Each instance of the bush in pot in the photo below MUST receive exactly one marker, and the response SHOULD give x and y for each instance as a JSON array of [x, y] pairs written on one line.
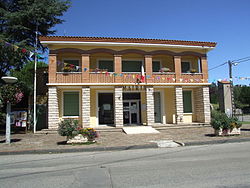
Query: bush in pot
[[68, 128], [224, 125]]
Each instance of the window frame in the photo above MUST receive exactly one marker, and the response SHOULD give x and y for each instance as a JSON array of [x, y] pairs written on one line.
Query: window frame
[[160, 65], [192, 101], [106, 59], [62, 111], [190, 67], [142, 64], [68, 58]]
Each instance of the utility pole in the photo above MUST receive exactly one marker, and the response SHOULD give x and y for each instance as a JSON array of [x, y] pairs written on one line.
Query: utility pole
[[34, 115], [230, 63]]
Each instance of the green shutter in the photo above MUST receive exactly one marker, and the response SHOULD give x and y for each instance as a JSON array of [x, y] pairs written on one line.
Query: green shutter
[[106, 64], [71, 104], [156, 66], [187, 101], [131, 66]]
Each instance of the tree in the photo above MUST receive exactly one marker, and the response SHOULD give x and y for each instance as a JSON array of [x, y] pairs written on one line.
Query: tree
[[213, 91], [26, 75], [19, 20], [245, 95]]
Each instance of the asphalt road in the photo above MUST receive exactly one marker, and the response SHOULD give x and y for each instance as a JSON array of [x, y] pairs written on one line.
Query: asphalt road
[[224, 165]]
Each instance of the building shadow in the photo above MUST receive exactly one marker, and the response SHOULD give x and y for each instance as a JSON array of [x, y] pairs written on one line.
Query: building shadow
[[12, 140], [210, 135]]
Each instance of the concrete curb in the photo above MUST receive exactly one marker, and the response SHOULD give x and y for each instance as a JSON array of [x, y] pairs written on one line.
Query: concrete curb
[[197, 143], [71, 150], [119, 148]]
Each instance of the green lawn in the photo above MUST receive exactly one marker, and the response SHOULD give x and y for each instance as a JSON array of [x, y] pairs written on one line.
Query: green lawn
[[244, 122]]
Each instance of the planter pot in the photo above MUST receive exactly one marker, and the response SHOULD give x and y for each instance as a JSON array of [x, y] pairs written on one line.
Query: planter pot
[[227, 132], [78, 139]]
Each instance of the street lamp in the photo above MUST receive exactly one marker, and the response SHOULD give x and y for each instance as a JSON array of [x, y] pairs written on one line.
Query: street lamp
[[8, 80]]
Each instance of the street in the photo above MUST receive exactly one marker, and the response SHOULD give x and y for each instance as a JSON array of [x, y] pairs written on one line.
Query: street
[[224, 165]]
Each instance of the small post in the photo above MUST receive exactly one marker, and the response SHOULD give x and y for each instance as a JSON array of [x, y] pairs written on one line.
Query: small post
[[230, 63], [8, 126], [34, 115]]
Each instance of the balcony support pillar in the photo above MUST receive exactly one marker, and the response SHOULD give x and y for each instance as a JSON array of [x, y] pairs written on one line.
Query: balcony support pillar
[[177, 65], [149, 68], [52, 68], [85, 68], [204, 69], [118, 67]]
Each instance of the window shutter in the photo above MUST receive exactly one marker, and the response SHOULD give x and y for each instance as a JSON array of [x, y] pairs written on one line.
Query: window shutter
[[187, 101], [71, 104]]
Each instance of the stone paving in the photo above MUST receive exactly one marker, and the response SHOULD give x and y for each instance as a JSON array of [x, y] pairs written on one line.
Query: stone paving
[[30, 141]]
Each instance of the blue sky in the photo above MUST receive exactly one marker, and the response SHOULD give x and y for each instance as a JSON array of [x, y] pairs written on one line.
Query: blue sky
[[226, 22]]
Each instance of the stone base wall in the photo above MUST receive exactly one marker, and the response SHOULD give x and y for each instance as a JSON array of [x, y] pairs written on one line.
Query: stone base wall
[[118, 107], [150, 106], [53, 111], [202, 104], [178, 105], [85, 106]]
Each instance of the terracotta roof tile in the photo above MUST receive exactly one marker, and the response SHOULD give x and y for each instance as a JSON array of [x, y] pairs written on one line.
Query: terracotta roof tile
[[127, 40]]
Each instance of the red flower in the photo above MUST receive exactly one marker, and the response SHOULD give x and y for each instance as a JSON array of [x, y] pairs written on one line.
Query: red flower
[[24, 50]]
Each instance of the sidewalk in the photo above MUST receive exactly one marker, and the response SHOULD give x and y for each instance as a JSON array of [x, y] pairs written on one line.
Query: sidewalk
[[116, 140]]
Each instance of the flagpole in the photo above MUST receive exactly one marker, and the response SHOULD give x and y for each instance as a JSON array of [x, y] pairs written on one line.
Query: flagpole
[[34, 115]]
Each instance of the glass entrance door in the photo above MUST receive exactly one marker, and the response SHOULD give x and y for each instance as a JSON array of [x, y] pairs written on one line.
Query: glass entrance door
[[131, 112]]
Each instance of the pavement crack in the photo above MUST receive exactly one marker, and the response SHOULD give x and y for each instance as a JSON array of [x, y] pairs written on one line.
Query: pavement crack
[[110, 178]]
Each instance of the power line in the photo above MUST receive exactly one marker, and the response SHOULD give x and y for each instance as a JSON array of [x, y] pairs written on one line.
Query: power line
[[218, 66], [242, 58], [235, 62]]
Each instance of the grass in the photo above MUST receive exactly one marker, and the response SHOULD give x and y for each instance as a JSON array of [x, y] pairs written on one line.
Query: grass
[[244, 122]]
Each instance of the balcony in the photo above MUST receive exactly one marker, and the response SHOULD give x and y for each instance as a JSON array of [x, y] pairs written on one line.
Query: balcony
[[106, 77]]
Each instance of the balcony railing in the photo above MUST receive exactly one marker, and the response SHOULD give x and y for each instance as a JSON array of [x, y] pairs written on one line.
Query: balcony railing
[[192, 78], [107, 77], [101, 77], [164, 77], [69, 77]]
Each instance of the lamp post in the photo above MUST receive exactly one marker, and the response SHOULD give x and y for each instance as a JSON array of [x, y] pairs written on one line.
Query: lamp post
[[8, 80]]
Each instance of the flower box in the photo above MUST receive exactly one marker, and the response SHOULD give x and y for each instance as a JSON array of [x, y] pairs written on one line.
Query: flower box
[[227, 132]]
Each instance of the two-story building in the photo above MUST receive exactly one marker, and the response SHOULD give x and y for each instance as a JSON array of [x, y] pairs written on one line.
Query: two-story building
[[127, 81]]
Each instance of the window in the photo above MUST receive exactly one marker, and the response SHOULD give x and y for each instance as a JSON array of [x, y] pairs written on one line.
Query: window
[[185, 67], [107, 65], [71, 65], [187, 101], [156, 66], [71, 104], [131, 66]]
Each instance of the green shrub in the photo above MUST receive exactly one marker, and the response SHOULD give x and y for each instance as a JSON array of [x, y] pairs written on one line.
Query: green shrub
[[234, 123], [68, 128], [222, 121]]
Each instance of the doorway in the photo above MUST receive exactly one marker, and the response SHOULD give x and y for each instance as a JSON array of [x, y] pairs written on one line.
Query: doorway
[[105, 109], [131, 112]]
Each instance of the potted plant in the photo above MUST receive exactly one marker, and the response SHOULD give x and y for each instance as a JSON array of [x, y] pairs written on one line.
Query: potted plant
[[193, 70], [76, 135], [223, 125], [164, 69], [68, 128], [90, 133]]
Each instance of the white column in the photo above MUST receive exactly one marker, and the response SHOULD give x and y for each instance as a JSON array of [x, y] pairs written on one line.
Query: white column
[[178, 105], [118, 107], [53, 112], [85, 106], [150, 106], [206, 104]]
